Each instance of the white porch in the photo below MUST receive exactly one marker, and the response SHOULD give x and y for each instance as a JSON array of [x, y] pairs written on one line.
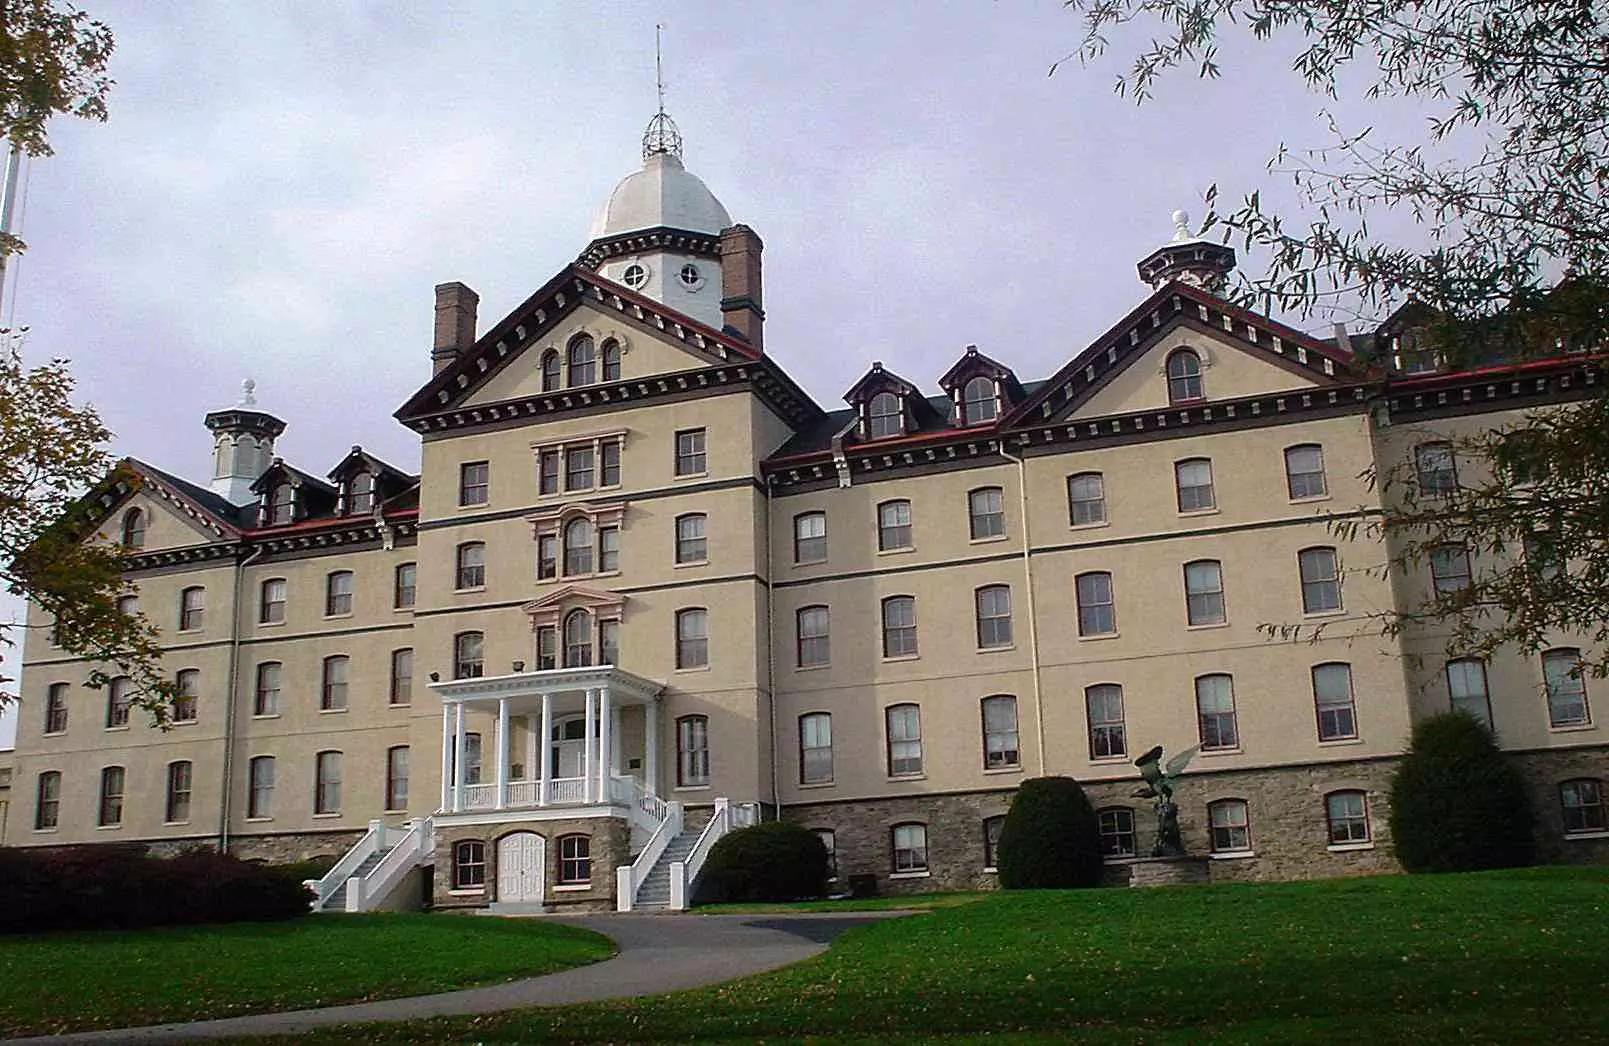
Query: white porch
[[573, 751]]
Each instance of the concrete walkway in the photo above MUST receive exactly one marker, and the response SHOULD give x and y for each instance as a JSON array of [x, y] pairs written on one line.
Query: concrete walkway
[[658, 954]]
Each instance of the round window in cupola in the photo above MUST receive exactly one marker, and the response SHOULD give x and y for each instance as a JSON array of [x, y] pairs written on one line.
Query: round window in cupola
[[691, 278], [635, 276]]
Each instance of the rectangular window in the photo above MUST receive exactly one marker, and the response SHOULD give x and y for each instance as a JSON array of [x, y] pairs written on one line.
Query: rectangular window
[[910, 848], [1348, 814], [187, 704], [338, 593], [111, 805], [469, 865], [1215, 713], [47, 809], [469, 655], [1117, 832], [1195, 485], [407, 586], [1449, 569], [271, 609], [56, 708], [992, 827], [401, 676], [608, 549], [1304, 472], [178, 799], [1086, 499], [810, 537], [547, 648], [1582, 805], [1321, 580], [692, 751], [815, 748], [692, 638], [575, 860], [899, 626], [829, 842], [986, 510], [1204, 592], [893, 526], [547, 557], [1106, 736], [471, 565], [119, 699], [547, 470], [474, 483], [1097, 614], [994, 616], [609, 463], [578, 468], [266, 699], [1332, 697], [1566, 687], [1229, 823], [327, 783], [192, 609], [1466, 689], [609, 642], [813, 641], [904, 740], [332, 694], [1000, 751], [690, 453], [261, 800], [396, 778], [1436, 468]]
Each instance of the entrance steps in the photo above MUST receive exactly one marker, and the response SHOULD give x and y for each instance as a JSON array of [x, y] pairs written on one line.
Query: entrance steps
[[654, 896]]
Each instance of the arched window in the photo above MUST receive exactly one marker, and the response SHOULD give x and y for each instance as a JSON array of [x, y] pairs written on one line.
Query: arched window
[[265, 698], [551, 379], [810, 537], [1107, 735], [177, 807], [113, 779], [47, 809], [469, 865], [360, 494], [469, 655], [1320, 572], [815, 748], [611, 360], [986, 513], [1097, 609], [119, 698], [978, 403], [578, 546], [1184, 377], [1566, 687], [260, 776], [1204, 592], [578, 639], [271, 602], [396, 778], [904, 722], [583, 362], [1193, 478], [134, 529], [1086, 499], [691, 544], [282, 504], [1000, 745], [332, 695], [893, 525], [693, 638], [1466, 689], [1333, 701], [1216, 723], [993, 604], [186, 705], [814, 637], [338, 593], [471, 565], [885, 416], [1304, 471], [899, 626]]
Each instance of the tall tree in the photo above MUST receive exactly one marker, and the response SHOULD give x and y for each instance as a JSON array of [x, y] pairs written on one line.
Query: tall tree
[[1507, 192]]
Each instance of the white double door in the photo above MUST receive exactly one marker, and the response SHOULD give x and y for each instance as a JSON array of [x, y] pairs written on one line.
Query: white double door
[[521, 868]]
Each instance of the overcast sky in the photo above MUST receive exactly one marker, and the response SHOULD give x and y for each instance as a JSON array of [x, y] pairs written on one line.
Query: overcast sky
[[281, 185]]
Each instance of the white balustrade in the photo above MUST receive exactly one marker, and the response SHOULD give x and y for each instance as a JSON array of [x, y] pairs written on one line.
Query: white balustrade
[[522, 793], [480, 797]]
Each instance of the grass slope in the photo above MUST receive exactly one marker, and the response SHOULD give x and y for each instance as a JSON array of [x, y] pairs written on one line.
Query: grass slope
[[1513, 957], [76, 981]]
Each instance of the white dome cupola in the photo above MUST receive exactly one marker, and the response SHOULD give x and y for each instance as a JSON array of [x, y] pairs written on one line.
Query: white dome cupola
[[659, 231]]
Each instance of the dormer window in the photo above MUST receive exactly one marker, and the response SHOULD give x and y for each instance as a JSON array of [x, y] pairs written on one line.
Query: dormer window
[[360, 494], [979, 402], [1184, 377], [134, 529], [583, 362], [281, 504], [885, 416]]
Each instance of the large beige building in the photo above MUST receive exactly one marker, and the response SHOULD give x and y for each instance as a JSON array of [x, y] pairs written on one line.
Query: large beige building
[[644, 578]]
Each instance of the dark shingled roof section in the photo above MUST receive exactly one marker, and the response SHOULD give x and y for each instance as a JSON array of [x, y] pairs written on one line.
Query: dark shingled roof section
[[232, 514], [819, 436]]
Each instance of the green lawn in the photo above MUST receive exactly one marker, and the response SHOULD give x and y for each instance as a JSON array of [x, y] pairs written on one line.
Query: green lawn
[[1512, 958], [76, 981]]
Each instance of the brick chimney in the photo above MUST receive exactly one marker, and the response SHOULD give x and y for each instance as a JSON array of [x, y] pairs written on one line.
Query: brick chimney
[[741, 313], [455, 323]]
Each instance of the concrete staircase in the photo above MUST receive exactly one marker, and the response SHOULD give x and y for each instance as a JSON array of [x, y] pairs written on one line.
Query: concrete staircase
[[336, 902], [655, 893]]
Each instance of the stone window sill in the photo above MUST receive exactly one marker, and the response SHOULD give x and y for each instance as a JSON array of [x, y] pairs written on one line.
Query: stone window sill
[[108, 827], [1340, 742], [1337, 612], [997, 649], [904, 550], [471, 589], [1207, 625], [265, 715], [327, 817], [812, 668], [331, 711], [474, 891], [258, 820], [924, 874], [691, 475], [117, 729], [271, 624], [691, 788], [1089, 526], [695, 668], [338, 617], [1232, 855], [922, 776], [184, 722], [46, 831], [572, 888], [1003, 769], [990, 869], [1600, 834], [1343, 848], [174, 824], [1572, 728], [1095, 637], [990, 539], [902, 657], [1210, 752], [817, 784], [1192, 512], [1310, 499], [687, 564]]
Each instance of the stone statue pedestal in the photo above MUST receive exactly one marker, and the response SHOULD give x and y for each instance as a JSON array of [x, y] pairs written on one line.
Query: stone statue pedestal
[[1168, 871]]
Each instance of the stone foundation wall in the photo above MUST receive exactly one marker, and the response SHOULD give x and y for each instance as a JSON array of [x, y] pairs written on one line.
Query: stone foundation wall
[[610, 847], [1543, 773]]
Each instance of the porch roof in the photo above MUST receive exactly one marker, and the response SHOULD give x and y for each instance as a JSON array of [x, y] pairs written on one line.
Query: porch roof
[[623, 686]]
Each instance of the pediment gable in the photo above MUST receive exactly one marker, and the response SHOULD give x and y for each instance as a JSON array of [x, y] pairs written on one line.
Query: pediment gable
[[546, 611], [878, 379], [502, 363], [178, 513], [1121, 371]]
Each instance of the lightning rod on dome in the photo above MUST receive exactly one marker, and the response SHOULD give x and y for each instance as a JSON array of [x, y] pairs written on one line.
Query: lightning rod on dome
[[662, 137], [248, 392]]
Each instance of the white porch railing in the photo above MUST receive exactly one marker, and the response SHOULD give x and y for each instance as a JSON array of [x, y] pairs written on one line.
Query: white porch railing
[[728, 817], [624, 790], [630, 877], [366, 847]]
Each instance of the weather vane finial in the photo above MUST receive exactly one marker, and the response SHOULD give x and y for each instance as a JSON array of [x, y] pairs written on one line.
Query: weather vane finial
[[662, 136]]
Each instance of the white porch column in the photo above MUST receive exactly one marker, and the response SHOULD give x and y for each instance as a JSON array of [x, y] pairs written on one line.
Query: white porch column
[[446, 757], [546, 762], [650, 753], [616, 763], [502, 752], [589, 747], [531, 747], [605, 753], [458, 760]]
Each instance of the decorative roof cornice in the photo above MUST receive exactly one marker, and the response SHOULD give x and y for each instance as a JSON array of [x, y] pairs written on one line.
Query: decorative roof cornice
[[119, 486], [641, 241]]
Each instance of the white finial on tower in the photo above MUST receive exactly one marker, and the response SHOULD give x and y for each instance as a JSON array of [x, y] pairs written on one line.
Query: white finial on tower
[[662, 135], [1181, 227], [248, 393]]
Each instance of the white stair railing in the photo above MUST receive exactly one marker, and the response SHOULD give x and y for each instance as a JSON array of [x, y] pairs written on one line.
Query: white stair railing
[[418, 844], [630, 877], [684, 873], [366, 847]]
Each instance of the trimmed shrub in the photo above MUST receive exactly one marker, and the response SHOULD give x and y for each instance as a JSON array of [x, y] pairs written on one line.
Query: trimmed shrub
[[118, 887], [1051, 839], [1457, 804], [771, 861]]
